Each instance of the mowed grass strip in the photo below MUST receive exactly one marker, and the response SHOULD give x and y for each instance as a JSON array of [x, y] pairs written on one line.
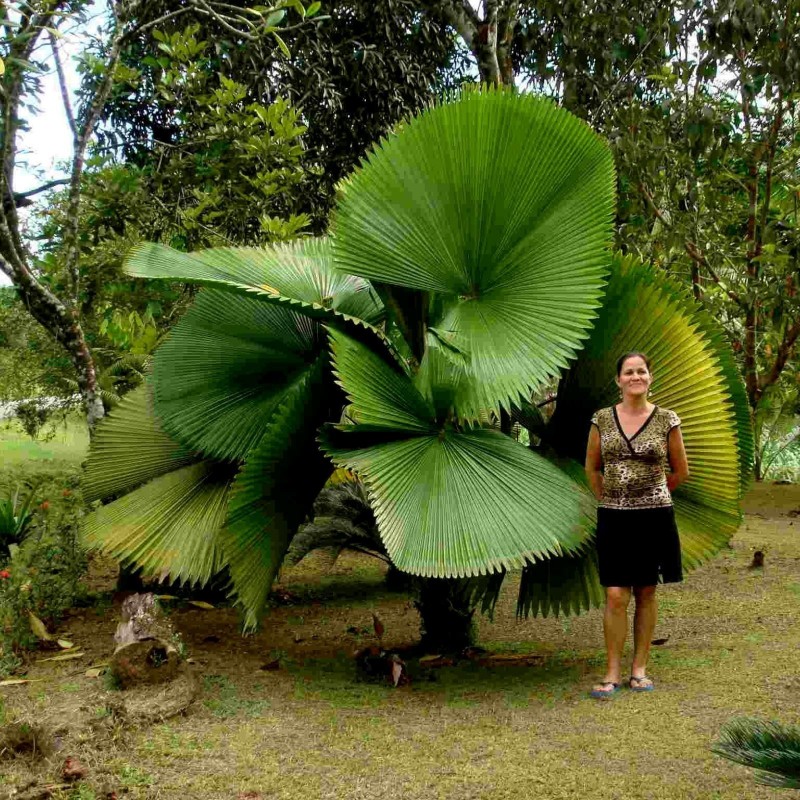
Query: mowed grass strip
[[67, 447]]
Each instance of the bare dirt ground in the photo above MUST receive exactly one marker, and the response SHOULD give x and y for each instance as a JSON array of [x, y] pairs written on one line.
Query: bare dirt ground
[[310, 729]]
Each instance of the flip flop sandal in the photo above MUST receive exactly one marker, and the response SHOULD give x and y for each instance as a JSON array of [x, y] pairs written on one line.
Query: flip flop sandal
[[647, 688], [603, 694]]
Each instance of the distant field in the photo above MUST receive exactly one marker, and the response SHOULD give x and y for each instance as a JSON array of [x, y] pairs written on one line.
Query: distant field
[[67, 448]]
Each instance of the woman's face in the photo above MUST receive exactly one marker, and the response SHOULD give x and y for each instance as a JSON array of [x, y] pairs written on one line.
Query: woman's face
[[634, 378]]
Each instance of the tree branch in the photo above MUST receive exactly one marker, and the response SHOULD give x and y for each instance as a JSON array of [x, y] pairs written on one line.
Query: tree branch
[[653, 207], [62, 85], [784, 352], [136, 30], [43, 188], [204, 8], [71, 251], [693, 251]]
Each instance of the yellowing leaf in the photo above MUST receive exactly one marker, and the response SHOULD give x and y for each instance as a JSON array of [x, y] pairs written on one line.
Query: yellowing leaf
[[94, 672], [19, 681], [38, 628], [63, 657], [161, 597], [201, 604], [271, 289], [65, 644]]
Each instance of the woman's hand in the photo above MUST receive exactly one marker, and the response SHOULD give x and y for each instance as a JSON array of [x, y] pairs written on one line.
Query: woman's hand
[[594, 463], [677, 459]]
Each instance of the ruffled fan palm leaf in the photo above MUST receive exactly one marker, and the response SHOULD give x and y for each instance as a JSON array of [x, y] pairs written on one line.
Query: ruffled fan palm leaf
[[298, 275], [227, 366], [450, 502], [644, 310], [167, 522], [274, 491], [485, 222]]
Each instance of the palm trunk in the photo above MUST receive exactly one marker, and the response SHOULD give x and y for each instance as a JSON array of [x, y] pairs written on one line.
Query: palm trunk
[[446, 615]]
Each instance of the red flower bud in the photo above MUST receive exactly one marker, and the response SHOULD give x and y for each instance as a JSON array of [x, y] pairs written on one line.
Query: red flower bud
[[45, 505], [66, 493], [4, 573]]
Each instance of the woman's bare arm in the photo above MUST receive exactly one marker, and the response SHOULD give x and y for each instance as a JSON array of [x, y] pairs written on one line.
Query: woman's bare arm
[[677, 459], [594, 463]]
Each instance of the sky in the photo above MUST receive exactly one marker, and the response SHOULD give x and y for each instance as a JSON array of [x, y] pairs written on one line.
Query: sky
[[48, 143]]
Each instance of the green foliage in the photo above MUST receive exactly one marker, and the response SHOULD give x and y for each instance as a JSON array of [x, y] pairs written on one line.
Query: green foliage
[[16, 516], [43, 575], [31, 363], [708, 180], [353, 70], [778, 432], [768, 747]]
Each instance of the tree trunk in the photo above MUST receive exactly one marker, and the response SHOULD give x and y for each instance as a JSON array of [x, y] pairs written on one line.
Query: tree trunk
[[446, 615], [64, 325]]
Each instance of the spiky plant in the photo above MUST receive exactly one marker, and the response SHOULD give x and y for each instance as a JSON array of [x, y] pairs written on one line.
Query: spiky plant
[[768, 747], [342, 520], [468, 265]]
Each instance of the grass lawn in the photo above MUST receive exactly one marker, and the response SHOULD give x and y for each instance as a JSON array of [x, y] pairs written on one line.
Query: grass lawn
[[309, 729], [68, 447]]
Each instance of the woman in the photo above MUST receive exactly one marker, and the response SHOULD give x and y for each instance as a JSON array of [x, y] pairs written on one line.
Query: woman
[[630, 445]]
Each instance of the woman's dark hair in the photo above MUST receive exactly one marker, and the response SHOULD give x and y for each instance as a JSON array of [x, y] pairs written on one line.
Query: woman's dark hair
[[625, 356]]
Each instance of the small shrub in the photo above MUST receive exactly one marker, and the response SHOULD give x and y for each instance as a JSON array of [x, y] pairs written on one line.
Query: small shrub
[[16, 516], [770, 748], [42, 577]]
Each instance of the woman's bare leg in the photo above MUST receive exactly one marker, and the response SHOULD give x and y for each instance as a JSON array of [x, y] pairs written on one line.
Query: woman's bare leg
[[615, 629], [644, 623]]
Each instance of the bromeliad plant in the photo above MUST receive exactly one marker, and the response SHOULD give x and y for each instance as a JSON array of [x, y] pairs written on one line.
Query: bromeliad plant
[[469, 264]]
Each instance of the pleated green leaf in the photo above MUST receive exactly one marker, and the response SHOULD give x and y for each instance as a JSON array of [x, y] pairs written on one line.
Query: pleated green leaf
[[569, 583], [298, 275], [459, 504], [448, 502], [130, 448], [643, 311], [381, 396], [170, 526], [714, 334], [500, 205], [226, 368], [565, 584], [274, 492]]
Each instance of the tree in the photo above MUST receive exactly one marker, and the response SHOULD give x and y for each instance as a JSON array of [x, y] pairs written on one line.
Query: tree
[[353, 72], [31, 363], [586, 53], [468, 262], [28, 28], [708, 181]]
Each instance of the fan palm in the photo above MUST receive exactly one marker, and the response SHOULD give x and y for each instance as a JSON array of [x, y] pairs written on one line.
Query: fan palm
[[468, 263]]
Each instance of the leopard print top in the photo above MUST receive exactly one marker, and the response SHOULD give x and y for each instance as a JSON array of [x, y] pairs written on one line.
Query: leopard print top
[[635, 469]]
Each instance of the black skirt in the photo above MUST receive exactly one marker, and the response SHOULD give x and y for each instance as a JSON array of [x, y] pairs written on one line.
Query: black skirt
[[638, 547]]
